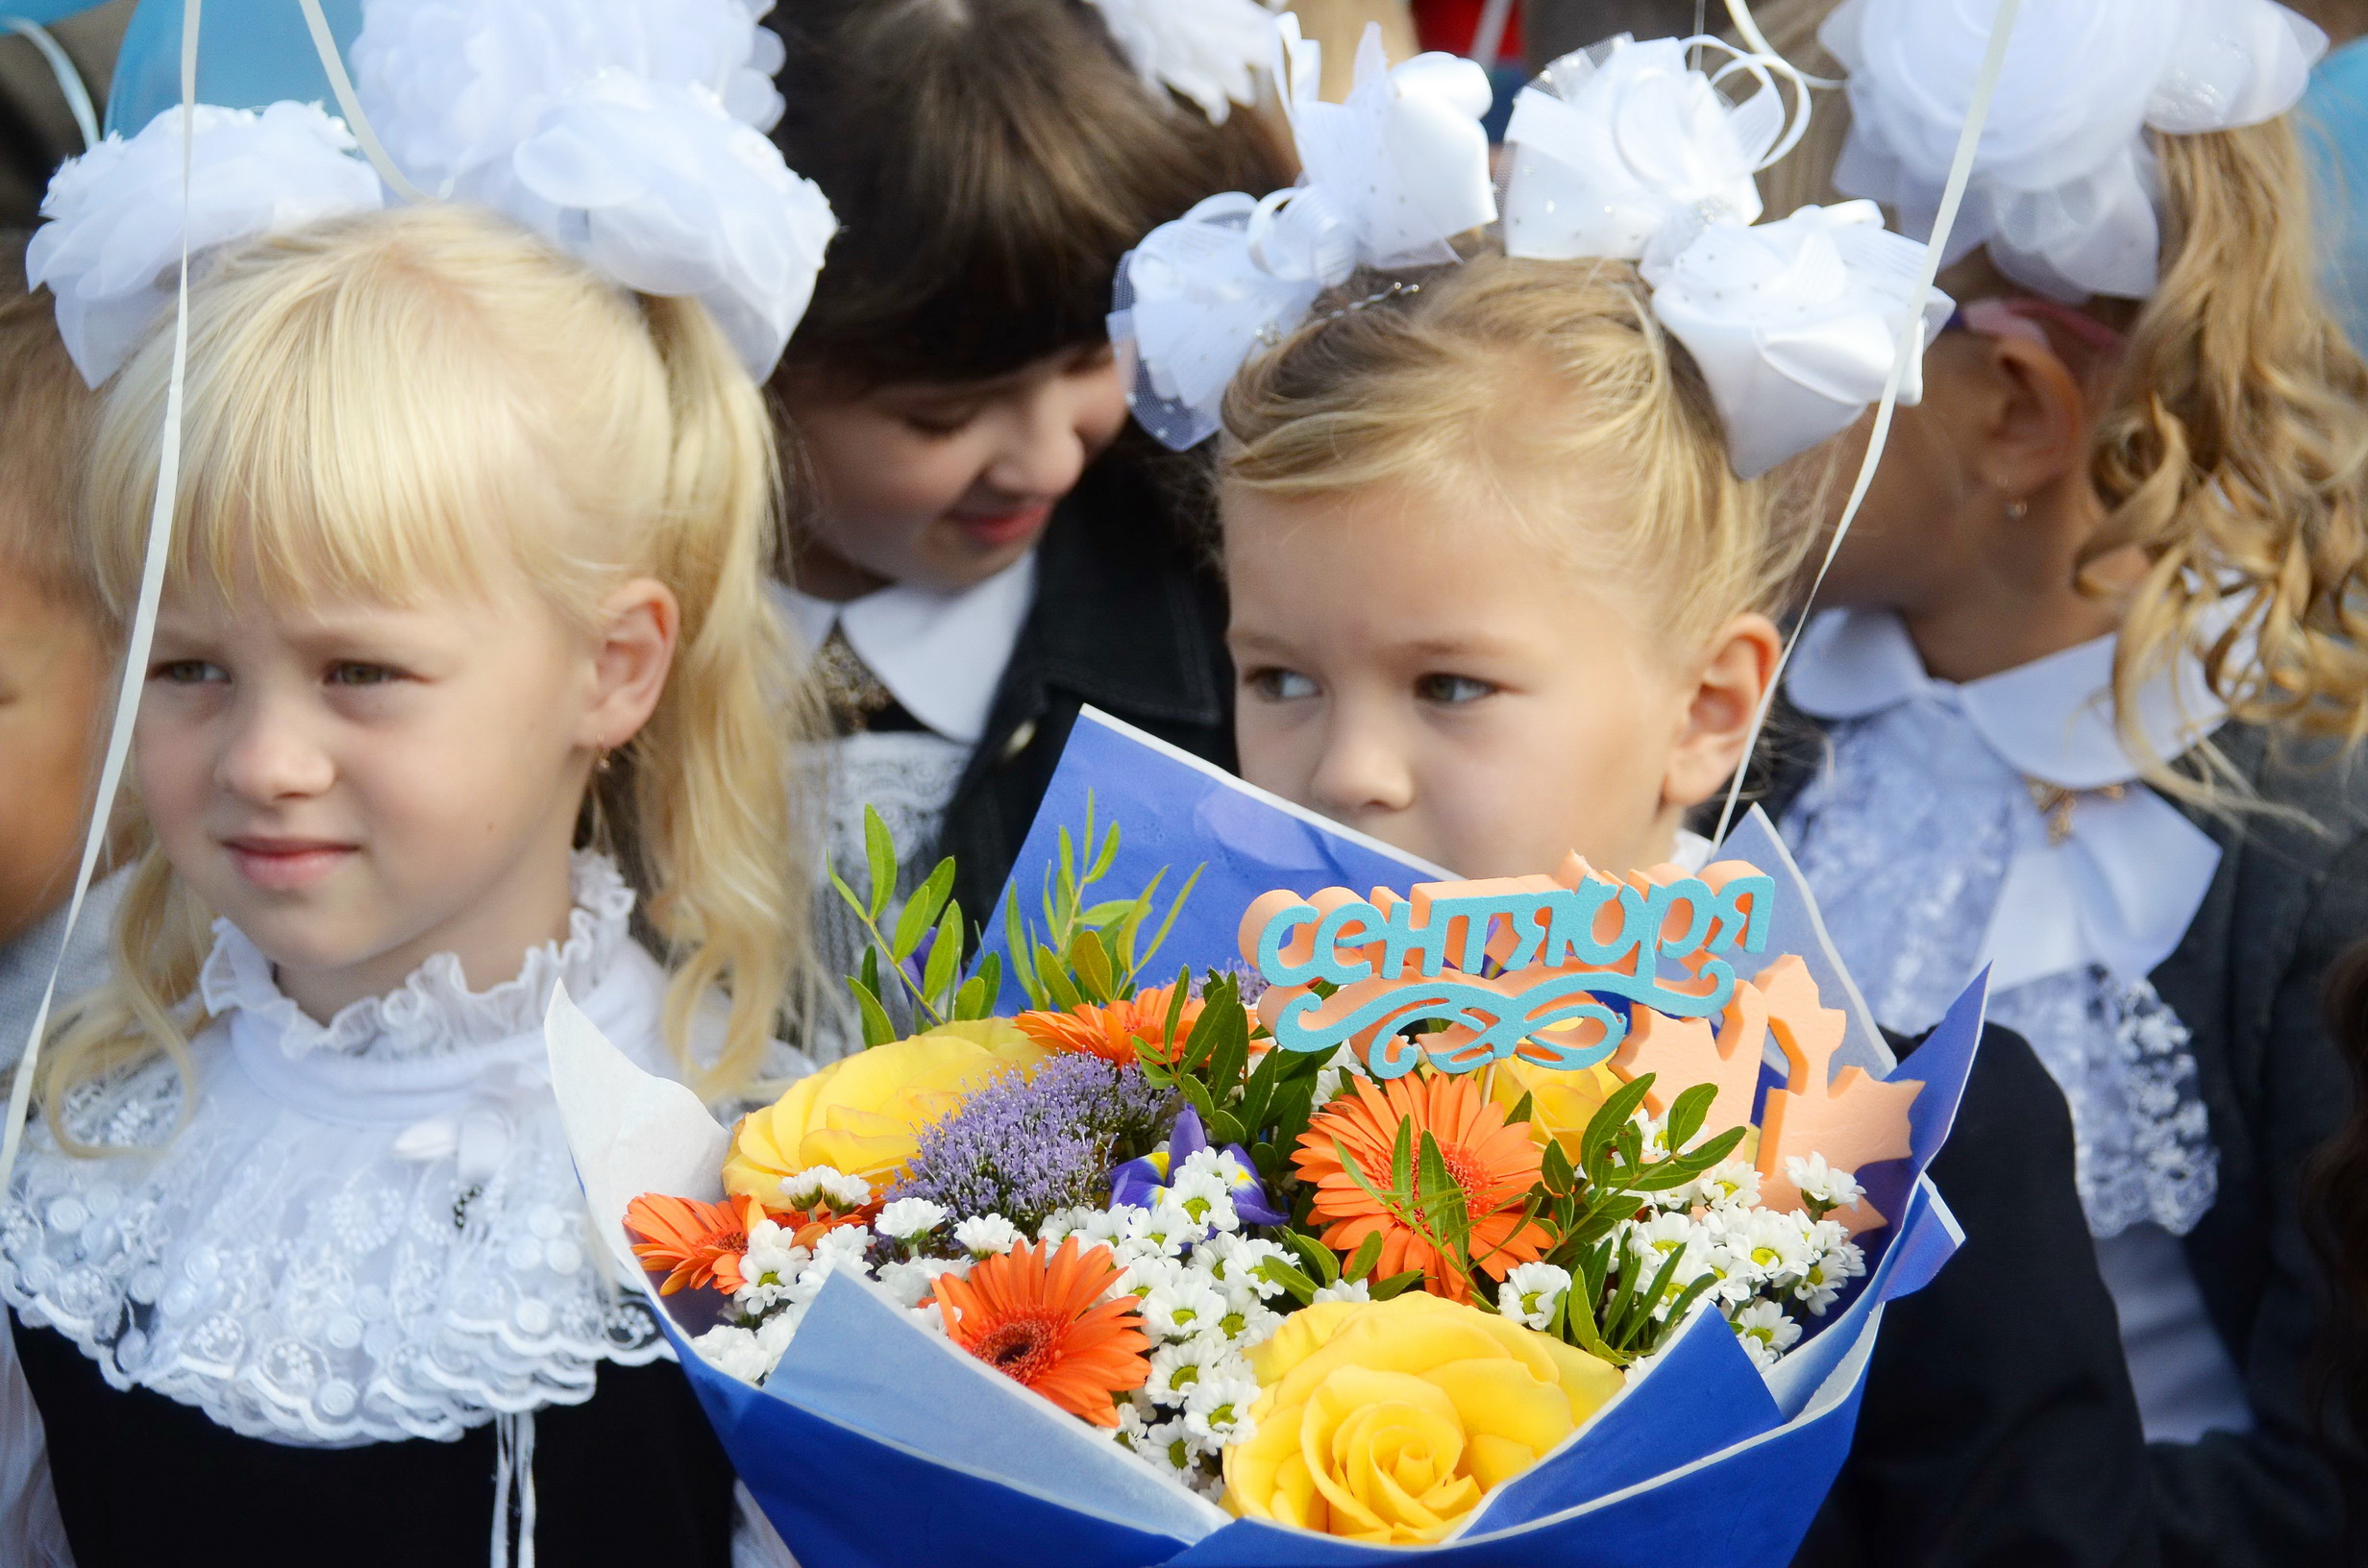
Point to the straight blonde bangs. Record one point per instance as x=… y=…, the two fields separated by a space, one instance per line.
x=392 y=408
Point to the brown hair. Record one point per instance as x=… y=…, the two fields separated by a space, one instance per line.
x=44 y=419
x=989 y=162
x=1529 y=378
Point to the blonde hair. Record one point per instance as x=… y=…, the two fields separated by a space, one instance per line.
x=404 y=403
x=2231 y=451
x=1530 y=379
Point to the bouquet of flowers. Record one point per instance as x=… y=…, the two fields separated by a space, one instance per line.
x=1484 y=1217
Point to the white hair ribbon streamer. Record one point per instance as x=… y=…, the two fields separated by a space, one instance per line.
x=1908 y=348
x=157 y=551
x=70 y=80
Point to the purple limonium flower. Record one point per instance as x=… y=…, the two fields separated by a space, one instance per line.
x=1252 y=985
x=1024 y=1147
x=1141 y=1181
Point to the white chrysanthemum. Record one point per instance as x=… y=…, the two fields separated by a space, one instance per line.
x=1178 y=1366
x=1765 y=1332
x=1143 y=1273
x=453 y=86
x=1730 y=1184
x=1532 y=1292
x=803 y=1189
x=1190 y=1305
x=1834 y=1261
x=1233 y=1262
x=911 y=1281
x=1655 y=1240
x=1344 y=1291
x=835 y=1252
x=1063 y=1223
x=1208 y=51
x=734 y=1352
x=111 y=244
x=907 y=1219
x=770 y=1266
x=1217 y=1407
x=1771 y=1246
x=1156 y=1231
x=1170 y=1447
x=983 y=1235
x=1246 y=1323
x=1821 y=1184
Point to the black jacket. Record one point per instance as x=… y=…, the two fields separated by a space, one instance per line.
x=1128 y=617
x=2245 y=979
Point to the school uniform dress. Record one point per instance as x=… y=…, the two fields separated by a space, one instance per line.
x=344 y=1302
x=2163 y=965
x=953 y=708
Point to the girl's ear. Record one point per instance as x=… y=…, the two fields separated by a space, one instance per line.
x=633 y=652
x=1715 y=725
x=2035 y=429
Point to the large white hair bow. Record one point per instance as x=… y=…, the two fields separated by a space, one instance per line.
x=1625 y=152
x=1207 y=50
x=625 y=134
x=2064 y=186
x=112 y=239
x=1387 y=178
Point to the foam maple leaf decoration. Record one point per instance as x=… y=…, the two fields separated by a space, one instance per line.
x=1852 y=1119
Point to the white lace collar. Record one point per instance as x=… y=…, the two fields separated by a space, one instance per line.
x=940 y=654
x=2052 y=718
x=433 y=1011
x=366 y=1231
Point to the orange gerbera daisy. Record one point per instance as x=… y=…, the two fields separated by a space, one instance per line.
x=701 y=1242
x=1495 y=1164
x=1037 y=1316
x=1110 y=1032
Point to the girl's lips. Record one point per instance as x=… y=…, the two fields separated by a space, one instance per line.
x=287 y=864
x=1002 y=528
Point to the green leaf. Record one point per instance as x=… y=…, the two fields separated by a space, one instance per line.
x=1554 y=1168
x=1055 y=978
x=1367 y=1254
x=1293 y=1280
x=991 y=974
x=973 y=1000
x=1397 y=1285
x=1091 y=961
x=920 y=913
x=1604 y=1127
x=1290 y=1111
x=1223 y=1128
x=868 y=971
x=1174 y=910
x=1016 y=942
x=863 y=910
x=1314 y=1255
x=1442 y=1196
x=945 y=953
x=1197 y=1093
x=1175 y=1013
x=1686 y=1114
x=880 y=848
x=1402 y=1157
x=1108 y=853
x=876 y=1029
x=1525 y=1109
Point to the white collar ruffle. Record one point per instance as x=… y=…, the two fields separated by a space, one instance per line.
x=2112 y=876
x=940 y=654
x=366 y=1231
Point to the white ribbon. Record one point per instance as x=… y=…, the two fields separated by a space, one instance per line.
x=1208 y=51
x=2063 y=191
x=1387 y=178
x=1626 y=152
x=111 y=248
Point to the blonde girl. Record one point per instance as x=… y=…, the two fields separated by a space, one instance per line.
x=1508 y=542
x=2096 y=671
x=464 y=687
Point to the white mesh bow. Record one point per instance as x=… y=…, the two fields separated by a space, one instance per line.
x=1626 y=152
x=625 y=134
x=1207 y=50
x=112 y=243
x=2065 y=185
x=1387 y=178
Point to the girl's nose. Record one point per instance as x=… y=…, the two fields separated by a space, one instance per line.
x=268 y=754
x=1362 y=772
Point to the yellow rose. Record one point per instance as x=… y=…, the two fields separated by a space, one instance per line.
x=1389 y=1421
x=1562 y=1102
x=863 y=1114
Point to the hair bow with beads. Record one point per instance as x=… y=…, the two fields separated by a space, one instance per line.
x=1627 y=152
x=1388 y=177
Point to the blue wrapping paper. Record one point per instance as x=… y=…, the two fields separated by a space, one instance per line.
x=878 y=1442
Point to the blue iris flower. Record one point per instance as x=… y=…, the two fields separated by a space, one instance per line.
x=1141 y=1181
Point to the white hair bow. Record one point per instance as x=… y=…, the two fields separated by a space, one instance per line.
x=111 y=241
x=2065 y=186
x=1625 y=152
x=625 y=134
x=1387 y=178
x=1207 y=50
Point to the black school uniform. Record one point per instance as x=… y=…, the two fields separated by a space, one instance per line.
x=1963 y=1456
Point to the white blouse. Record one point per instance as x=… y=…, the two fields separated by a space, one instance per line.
x=2001 y=822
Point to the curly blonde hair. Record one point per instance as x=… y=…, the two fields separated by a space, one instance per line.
x=400 y=403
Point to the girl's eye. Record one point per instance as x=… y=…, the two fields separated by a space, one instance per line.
x=1451 y=691
x=1280 y=685
x=188 y=672
x=355 y=672
x=939 y=425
